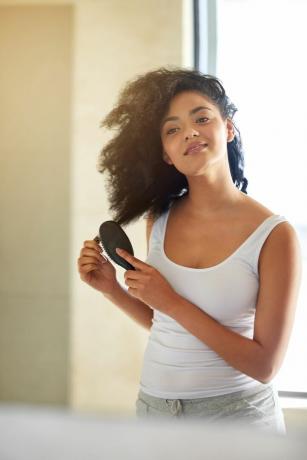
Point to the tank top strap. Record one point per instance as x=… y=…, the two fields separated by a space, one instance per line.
x=156 y=236
x=258 y=238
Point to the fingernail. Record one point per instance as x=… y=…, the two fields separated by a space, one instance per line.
x=119 y=250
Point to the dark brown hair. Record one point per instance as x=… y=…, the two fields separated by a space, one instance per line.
x=139 y=180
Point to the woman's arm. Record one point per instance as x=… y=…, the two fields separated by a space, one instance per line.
x=279 y=280
x=134 y=308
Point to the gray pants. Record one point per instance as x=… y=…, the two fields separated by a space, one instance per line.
x=258 y=407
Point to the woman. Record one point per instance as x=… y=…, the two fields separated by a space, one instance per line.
x=219 y=287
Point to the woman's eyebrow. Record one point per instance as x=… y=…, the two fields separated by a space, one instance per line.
x=196 y=109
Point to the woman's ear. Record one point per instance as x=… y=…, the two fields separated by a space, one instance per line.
x=230 y=131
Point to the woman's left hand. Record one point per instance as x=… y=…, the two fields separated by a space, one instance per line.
x=148 y=285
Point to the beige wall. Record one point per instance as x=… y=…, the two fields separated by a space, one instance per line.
x=35 y=95
x=62 y=66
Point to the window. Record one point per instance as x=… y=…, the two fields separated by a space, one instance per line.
x=260 y=58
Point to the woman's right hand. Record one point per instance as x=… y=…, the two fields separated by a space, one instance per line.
x=95 y=269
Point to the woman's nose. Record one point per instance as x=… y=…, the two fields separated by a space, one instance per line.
x=191 y=132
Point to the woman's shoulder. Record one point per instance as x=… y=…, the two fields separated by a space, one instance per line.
x=282 y=234
x=254 y=213
x=253 y=210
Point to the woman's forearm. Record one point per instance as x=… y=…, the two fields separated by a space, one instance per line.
x=242 y=353
x=136 y=309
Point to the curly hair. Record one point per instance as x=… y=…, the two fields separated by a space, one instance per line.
x=139 y=179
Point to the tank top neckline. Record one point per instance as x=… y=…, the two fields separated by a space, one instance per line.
x=213 y=267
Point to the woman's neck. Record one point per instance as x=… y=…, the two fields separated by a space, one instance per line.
x=205 y=200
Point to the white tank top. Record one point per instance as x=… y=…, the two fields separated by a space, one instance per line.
x=177 y=365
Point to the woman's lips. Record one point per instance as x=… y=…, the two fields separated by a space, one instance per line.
x=195 y=149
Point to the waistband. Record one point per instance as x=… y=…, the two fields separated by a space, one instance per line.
x=261 y=387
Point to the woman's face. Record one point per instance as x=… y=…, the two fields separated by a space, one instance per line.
x=194 y=118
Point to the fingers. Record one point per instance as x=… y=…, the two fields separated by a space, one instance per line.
x=131 y=259
x=94 y=255
x=132 y=274
x=92 y=244
x=84 y=269
x=92 y=249
x=91 y=260
x=90 y=256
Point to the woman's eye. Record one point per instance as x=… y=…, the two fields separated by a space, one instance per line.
x=171 y=130
x=198 y=120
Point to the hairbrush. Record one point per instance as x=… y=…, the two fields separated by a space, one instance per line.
x=112 y=236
